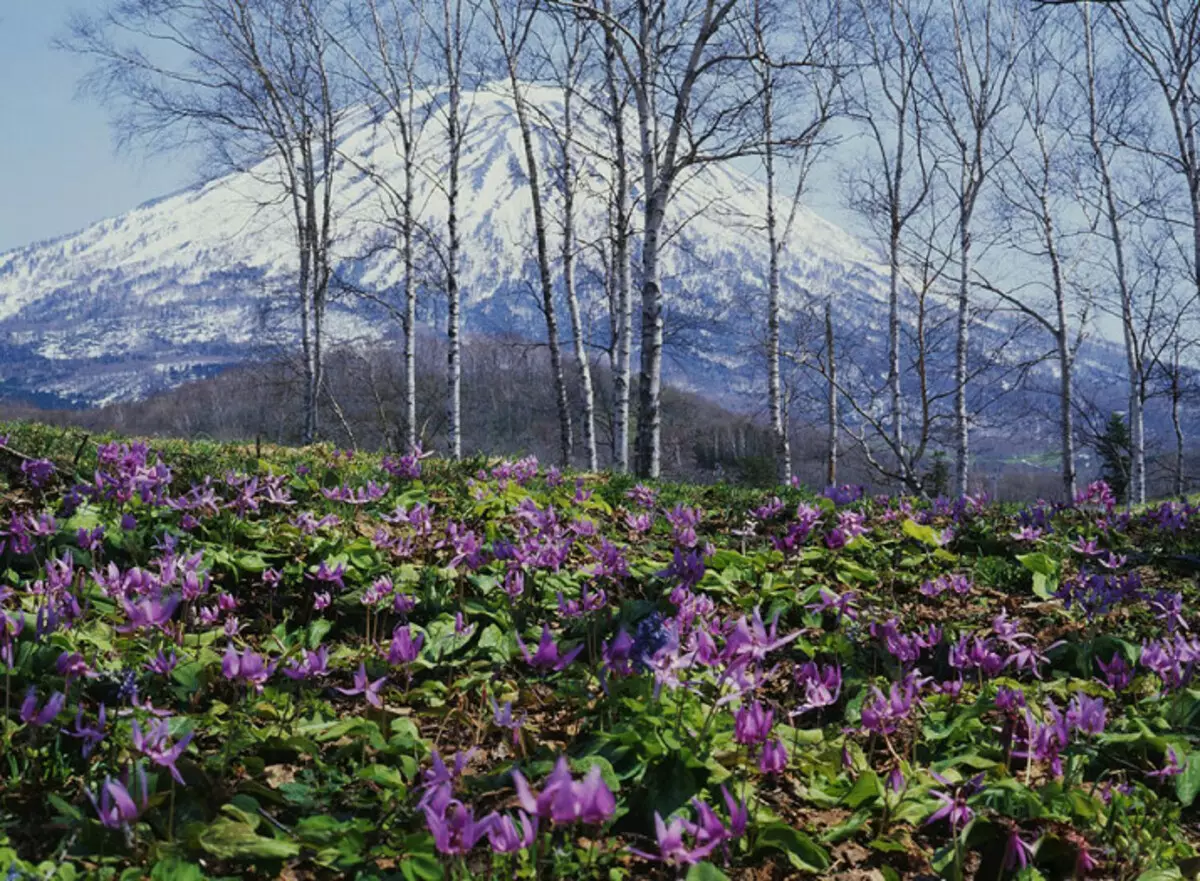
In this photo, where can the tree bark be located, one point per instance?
(545, 279)
(623, 324)
(962, 433)
(832, 404)
(453, 36)
(783, 455)
(568, 271)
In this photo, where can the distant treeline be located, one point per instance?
(509, 409)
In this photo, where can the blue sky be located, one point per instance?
(59, 169)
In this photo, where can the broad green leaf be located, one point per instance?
(922, 532)
(802, 852)
(866, 788)
(1187, 784)
(1039, 562)
(706, 872)
(230, 839)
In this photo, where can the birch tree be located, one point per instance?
(1164, 38)
(254, 82)
(512, 35)
(385, 58)
(1109, 100)
(1038, 203)
(969, 75)
(452, 33)
(616, 90)
(569, 67)
(796, 103)
(685, 69)
(890, 189)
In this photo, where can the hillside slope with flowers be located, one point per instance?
(225, 662)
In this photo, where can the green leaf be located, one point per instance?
(706, 872)
(848, 569)
(1187, 784)
(1039, 562)
(1041, 587)
(65, 808)
(422, 866)
(175, 869)
(922, 532)
(229, 839)
(382, 775)
(802, 852)
(316, 632)
(866, 788)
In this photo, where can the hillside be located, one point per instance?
(224, 661)
(197, 281)
(190, 284)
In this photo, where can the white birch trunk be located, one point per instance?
(545, 278)
(783, 455)
(453, 318)
(832, 403)
(568, 270)
(962, 432)
(623, 323)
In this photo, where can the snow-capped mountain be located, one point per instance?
(198, 281)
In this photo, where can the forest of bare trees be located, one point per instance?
(1028, 172)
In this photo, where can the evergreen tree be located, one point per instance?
(1113, 447)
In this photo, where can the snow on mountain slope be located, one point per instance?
(199, 280)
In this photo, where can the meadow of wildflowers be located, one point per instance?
(313, 663)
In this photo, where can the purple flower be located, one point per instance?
(92, 736)
(617, 656)
(249, 667)
(1173, 767)
(830, 602)
(642, 496)
(368, 689)
(671, 847)
(1017, 852)
(437, 782)
(156, 745)
(1085, 862)
(403, 649)
(116, 807)
(1117, 673)
(752, 724)
(1045, 741)
(312, 664)
(36, 717)
(774, 758)
(1087, 714)
(162, 664)
(455, 829)
(954, 806)
(753, 640)
(563, 800)
(148, 613)
(38, 471)
(502, 717)
(72, 664)
(1009, 699)
(882, 714)
(547, 655)
(504, 837)
(330, 575)
(321, 600)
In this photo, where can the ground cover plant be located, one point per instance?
(227, 662)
